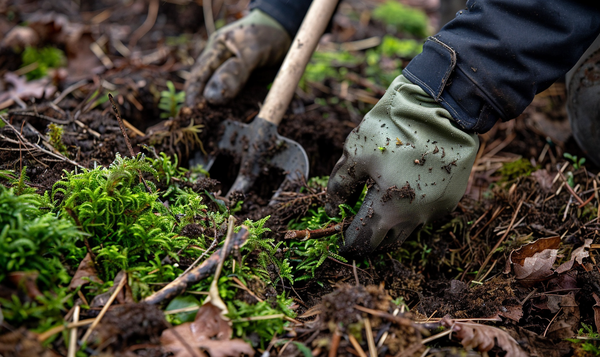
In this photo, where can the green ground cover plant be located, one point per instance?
(45, 58)
(110, 212)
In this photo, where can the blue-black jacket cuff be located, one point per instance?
(289, 13)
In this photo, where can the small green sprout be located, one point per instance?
(381, 148)
(55, 133)
(171, 101)
(577, 162)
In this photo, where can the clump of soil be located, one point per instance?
(125, 325)
(456, 299)
(338, 306)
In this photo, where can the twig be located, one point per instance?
(435, 337)
(146, 26)
(105, 308)
(34, 146)
(130, 126)
(40, 116)
(204, 270)
(495, 215)
(128, 143)
(355, 272)
(68, 90)
(387, 330)
(317, 233)
(528, 296)
(570, 189)
(597, 199)
(53, 331)
(587, 201)
(213, 244)
(370, 339)
(551, 321)
(209, 21)
(356, 346)
(501, 240)
(349, 266)
(397, 319)
(335, 343)
(257, 318)
(213, 292)
(73, 335)
(121, 125)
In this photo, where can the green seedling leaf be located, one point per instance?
(184, 302)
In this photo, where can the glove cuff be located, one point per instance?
(258, 17)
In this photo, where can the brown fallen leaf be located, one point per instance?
(544, 179)
(533, 262)
(565, 325)
(125, 296)
(580, 253)
(20, 36)
(576, 256)
(596, 312)
(536, 345)
(26, 280)
(24, 90)
(208, 332)
(23, 343)
(483, 337)
(513, 312)
(85, 273)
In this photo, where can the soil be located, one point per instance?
(423, 274)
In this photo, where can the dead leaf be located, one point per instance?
(513, 312)
(24, 90)
(536, 345)
(576, 256)
(209, 332)
(580, 253)
(553, 303)
(544, 179)
(564, 282)
(23, 343)
(596, 312)
(27, 281)
(125, 296)
(85, 273)
(565, 325)
(533, 262)
(483, 338)
(20, 36)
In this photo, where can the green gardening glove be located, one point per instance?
(232, 53)
(419, 163)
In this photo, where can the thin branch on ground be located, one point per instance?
(203, 271)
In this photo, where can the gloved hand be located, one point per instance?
(232, 53)
(419, 163)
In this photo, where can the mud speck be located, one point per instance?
(448, 167)
(405, 192)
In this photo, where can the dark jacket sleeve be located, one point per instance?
(490, 61)
(289, 13)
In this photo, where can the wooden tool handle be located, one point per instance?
(295, 61)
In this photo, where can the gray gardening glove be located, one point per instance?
(232, 53)
(419, 163)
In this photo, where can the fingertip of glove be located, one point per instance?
(215, 94)
(332, 209)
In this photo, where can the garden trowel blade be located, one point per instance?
(289, 156)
